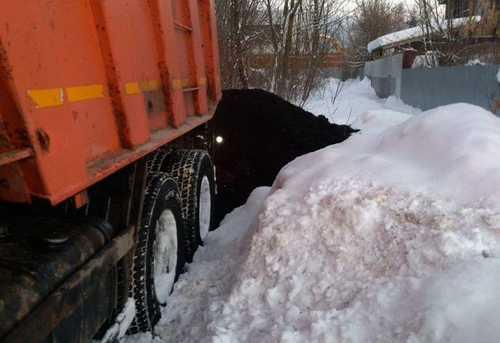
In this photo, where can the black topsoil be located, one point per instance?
(262, 133)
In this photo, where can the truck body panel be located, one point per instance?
(88, 87)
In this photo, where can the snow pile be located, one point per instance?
(355, 98)
(354, 243)
(375, 121)
(448, 151)
(417, 32)
(354, 262)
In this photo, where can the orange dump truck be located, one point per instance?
(106, 179)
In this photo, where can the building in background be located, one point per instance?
(488, 10)
(432, 40)
(468, 34)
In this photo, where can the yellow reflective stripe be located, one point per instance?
(55, 97)
(43, 98)
(177, 84)
(150, 86)
(133, 88)
(82, 93)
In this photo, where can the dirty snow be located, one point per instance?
(391, 236)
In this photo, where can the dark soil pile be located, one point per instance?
(262, 133)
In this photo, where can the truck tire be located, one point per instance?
(156, 160)
(159, 253)
(194, 172)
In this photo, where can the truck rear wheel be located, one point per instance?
(159, 252)
(193, 170)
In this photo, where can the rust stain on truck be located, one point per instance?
(5, 68)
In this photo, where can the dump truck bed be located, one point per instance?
(88, 87)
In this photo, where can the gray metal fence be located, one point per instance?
(429, 88)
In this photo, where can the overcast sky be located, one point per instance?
(408, 3)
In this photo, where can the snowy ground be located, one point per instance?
(354, 99)
(391, 236)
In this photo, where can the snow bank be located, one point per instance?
(416, 32)
(356, 97)
(448, 151)
(355, 243)
(353, 262)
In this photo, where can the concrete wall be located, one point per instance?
(385, 75)
(428, 88)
